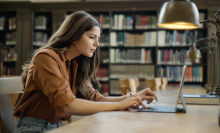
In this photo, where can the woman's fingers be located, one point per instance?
(140, 101)
(152, 94)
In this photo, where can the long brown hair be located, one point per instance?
(71, 30)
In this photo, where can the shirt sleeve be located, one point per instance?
(91, 90)
(47, 76)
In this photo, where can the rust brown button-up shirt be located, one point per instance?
(48, 88)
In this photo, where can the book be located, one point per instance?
(201, 99)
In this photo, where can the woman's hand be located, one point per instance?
(131, 102)
(147, 95)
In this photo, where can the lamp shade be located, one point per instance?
(179, 15)
(193, 54)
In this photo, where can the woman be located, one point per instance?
(57, 79)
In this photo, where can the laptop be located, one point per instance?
(167, 109)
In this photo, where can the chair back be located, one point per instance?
(125, 84)
(164, 83)
(8, 86)
(153, 83)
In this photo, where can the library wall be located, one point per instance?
(131, 44)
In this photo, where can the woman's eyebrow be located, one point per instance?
(94, 35)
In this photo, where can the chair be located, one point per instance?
(154, 83)
(9, 86)
(125, 84)
(163, 83)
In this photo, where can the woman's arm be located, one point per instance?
(145, 94)
(113, 99)
(85, 107)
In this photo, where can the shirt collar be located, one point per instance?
(63, 56)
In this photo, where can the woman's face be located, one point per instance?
(88, 42)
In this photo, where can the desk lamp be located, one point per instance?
(194, 55)
(209, 23)
(183, 14)
(179, 15)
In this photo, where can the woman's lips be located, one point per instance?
(93, 50)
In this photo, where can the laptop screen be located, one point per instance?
(181, 86)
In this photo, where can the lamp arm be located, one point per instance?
(216, 16)
(210, 20)
(204, 39)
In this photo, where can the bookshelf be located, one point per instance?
(130, 46)
(8, 39)
(144, 51)
(42, 29)
(171, 55)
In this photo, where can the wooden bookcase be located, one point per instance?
(8, 39)
(121, 67)
(55, 14)
(120, 59)
(42, 29)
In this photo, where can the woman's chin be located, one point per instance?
(89, 55)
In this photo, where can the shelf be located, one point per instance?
(104, 63)
(140, 79)
(103, 81)
(7, 30)
(134, 30)
(46, 30)
(175, 47)
(193, 82)
(103, 46)
(133, 47)
(132, 64)
(181, 64)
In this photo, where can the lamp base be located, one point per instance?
(209, 89)
(216, 91)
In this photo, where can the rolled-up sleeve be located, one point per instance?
(91, 90)
(48, 77)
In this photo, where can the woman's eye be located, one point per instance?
(91, 37)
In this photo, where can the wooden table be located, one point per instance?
(197, 119)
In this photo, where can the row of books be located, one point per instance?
(104, 89)
(8, 71)
(172, 57)
(104, 20)
(173, 73)
(40, 23)
(121, 21)
(176, 38)
(11, 38)
(120, 38)
(104, 40)
(131, 71)
(145, 22)
(8, 55)
(39, 38)
(102, 74)
(104, 57)
(130, 56)
(12, 24)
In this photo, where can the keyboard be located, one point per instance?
(165, 109)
